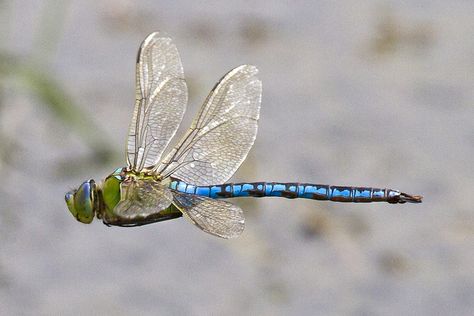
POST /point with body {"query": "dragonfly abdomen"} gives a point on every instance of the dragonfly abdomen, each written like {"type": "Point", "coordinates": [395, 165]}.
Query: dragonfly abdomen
{"type": "Point", "coordinates": [297, 190]}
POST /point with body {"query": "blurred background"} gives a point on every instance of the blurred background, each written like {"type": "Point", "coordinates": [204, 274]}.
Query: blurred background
{"type": "Point", "coordinates": [374, 93]}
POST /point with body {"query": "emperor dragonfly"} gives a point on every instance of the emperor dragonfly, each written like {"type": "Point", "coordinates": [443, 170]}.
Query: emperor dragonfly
{"type": "Point", "coordinates": [189, 180]}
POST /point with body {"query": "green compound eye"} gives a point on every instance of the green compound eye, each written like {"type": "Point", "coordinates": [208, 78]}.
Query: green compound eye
{"type": "Point", "coordinates": [81, 202]}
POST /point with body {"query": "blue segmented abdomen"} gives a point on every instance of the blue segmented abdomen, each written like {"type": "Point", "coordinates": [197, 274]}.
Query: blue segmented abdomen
{"type": "Point", "coordinates": [296, 190]}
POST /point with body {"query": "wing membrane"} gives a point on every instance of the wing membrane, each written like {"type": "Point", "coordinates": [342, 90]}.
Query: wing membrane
{"type": "Point", "coordinates": [161, 97]}
{"type": "Point", "coordinates": [216, 217]}
{"type": "Point", "coordinates": [141, 198]}
{"type": "Point", "coordinates": [222, 134]}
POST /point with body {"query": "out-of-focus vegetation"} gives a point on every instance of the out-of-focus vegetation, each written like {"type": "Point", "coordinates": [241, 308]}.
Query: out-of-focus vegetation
{"type": "Point", "coordinates": [33, 76]}
{"type": "Point", "coordinates": [392, 34]}
{"type": "Point", "coordinates": [51, 94]}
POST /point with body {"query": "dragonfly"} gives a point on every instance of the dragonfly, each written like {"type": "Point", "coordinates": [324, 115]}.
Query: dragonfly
{"type": "Point", "coordinates": [191, 179]}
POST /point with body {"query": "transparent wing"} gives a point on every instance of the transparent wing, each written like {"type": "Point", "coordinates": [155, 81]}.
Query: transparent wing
{"type": "Point", "coordinates": [215, 217]}
{"type": "Point", "coordinates": [161, 97]}
{"type": "Point", "coordinates": [222, 133]}
{"type": "Point", "coordinates": [141, 198]}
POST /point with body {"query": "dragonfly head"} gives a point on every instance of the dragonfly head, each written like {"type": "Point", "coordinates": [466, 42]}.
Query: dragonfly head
{"type": "Point", "coordinates": [81, 202]}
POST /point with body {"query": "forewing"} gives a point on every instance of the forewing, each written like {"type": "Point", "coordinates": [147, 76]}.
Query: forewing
{"type": "Point", "coordinates": [161, 97]}
{"type": "Point", "coordinates": [222, 133]}
{"type": "Point", "coordinates": [141, 198]}
{"type": "Point", "coordinates": [216, 217]}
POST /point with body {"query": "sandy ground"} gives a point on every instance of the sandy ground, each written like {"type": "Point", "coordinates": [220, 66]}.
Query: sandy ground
{"type": "Point", "coordinates": [355, 93]}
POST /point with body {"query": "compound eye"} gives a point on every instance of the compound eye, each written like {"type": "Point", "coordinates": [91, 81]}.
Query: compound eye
{"type": "Point", "coordinates": [84, 202]}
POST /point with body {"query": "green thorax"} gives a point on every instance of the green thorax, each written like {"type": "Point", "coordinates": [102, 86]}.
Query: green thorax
{"type": "Point", "coordinates": [109, 194]}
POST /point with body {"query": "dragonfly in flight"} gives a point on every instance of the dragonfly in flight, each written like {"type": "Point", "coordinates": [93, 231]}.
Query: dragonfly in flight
{"type": "Point", "coordinates": [191, 178]}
